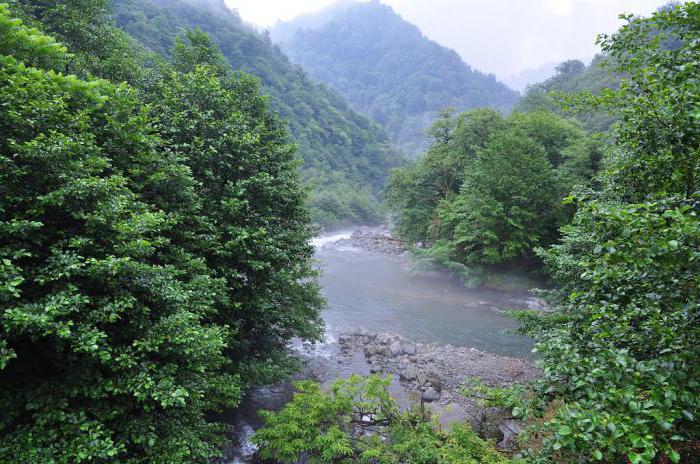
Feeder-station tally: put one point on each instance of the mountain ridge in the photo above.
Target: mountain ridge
(388, 69)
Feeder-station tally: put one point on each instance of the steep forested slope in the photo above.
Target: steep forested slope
(389, 71)
(574, 77)
(345, 156)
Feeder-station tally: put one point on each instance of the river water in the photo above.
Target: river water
(383, 293)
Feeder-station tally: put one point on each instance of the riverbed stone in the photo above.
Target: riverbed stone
(434, 374)
(408, 374)
(408, 348)
(372, 350)
(395, 348)
(430, 395)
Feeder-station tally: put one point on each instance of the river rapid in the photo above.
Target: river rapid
(381, 292)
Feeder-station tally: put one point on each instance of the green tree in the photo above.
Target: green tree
(415, 191)
(490, 189)
(506, 195)
(99, 49)
(154, 258)
(106, 349)
(253, 228)
(621, 353)
(357, 421)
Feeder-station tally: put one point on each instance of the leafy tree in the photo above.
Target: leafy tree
(505, 198)
(621, 353)
(415, 191)
(358, 421)
(253, 227)
(153, 262)
(346, 158)
(490, 188)
(99, 49)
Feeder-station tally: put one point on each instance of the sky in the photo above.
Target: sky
(503, 37)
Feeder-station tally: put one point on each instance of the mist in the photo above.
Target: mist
(502, 37)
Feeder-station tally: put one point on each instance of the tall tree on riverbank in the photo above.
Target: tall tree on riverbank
(490, 188)
(154, 258)
(621, 353)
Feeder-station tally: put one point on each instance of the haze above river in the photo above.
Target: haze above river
(382, 292)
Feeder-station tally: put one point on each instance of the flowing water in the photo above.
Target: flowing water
(383, 293)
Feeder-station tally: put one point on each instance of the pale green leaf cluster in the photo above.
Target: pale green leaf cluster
(357, 421)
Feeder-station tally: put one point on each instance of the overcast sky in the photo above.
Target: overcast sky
(502, 37)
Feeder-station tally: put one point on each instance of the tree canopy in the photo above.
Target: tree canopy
(154, 246)
(345, 156)
(490, 189)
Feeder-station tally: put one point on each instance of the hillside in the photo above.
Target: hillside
(573, 77)
(387, 69)
(346, 157)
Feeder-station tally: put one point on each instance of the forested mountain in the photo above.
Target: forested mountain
(388, 70)
(574, 77)
(346, 157)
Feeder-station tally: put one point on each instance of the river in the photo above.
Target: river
(383, 293)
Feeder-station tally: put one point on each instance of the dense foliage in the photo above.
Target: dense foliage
(154, 243)
(490, 189)
(346, 157)
(357, 421)
(621, 353)
(389, 71)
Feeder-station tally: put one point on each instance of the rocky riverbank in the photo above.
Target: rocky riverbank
(429, 374)
(377, 240)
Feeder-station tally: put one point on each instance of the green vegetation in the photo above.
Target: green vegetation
(621, 354)
(489, 190)
(389, 71)
(357, 421)
(155, 255)
(574, 77)
(345, 156)
(154, 243)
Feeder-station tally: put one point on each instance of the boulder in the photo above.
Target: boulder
(408, 348)
(409, 374)
(430, 395)
(490, 424)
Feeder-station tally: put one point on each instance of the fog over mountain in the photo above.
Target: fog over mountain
(501, 36)
(521, 80)
(387, 69)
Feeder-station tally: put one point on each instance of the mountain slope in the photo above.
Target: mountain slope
(346, 157)
(574, 77)
(387, 69)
